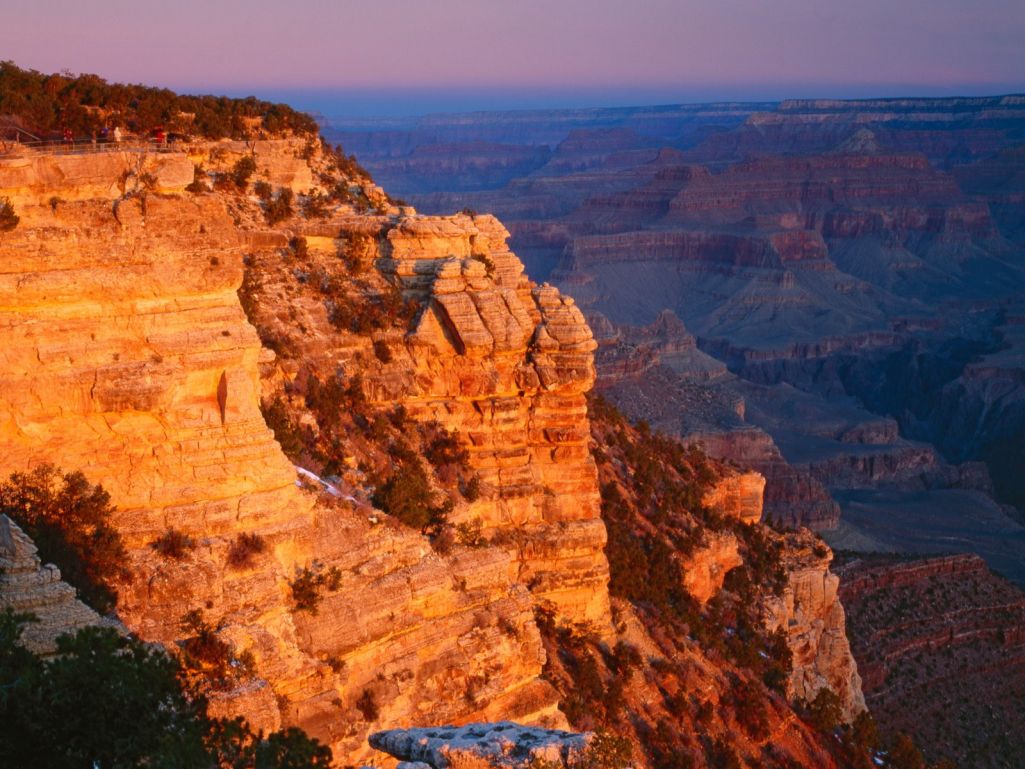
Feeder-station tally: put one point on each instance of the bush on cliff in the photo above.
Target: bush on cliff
(408, 496)
(110, 701)
(278, 208)
(69, 520)
(8, 219)
(242, 170)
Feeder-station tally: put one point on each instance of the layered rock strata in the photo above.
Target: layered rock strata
(29, 587)
(940, 642)
(130, 358)
(812, 616)
(502, 363)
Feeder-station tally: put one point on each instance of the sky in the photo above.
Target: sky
(413, 56)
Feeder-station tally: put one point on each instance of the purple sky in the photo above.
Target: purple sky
(610, 48)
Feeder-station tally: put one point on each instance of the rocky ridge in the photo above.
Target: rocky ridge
(148, 351)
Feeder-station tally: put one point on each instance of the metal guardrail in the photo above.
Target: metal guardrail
(58, 147)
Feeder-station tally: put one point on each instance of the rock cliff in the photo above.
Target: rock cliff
(371, 340)
(29, 587)
(811, 614)
(127, 334)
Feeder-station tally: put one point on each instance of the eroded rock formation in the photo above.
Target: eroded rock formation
(29, 587)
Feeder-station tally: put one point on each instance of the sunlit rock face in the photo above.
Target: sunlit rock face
(131, 359)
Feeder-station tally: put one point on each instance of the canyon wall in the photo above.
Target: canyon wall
(131, 359)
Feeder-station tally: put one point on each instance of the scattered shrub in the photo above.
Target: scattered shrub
(824, 711)
(207, 659)
(278, 208)
(471, 489)
(407, 496)
(8, 219)
(469, 534)
(445, 448)
(314, 206)
(173, 544)
(244, 550)
(263, 190)
(69, 521)
(244, 167)
(367, 705)
(105, 700)
(54, 202)
(307, 586)
(381, 351)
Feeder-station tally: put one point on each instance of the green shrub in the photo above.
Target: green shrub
(110, 701)
(469, 534)
(83, 103)
(314, 206)
(471, 488)
(69, 521)
(263, 190)
(208, 659)
(244, 167)
(278, 208)
(407, 496)
(367, 705)
(824, 711)
(307, 586)
(8, 219)
(445, 448)
(381, 351)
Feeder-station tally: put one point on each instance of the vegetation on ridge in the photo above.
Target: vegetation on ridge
(87, 103)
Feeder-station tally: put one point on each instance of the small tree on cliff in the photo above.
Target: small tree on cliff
(8, 219)
(69, 520)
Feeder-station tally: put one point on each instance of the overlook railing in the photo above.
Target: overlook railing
(88, 147)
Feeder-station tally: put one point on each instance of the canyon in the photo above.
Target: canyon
(939, 645)
(186, 352)
(843, 279)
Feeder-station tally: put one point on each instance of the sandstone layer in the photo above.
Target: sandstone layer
(29, 587)
(131, 359)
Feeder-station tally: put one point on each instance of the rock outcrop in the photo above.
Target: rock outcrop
(812, 616)
(484, 745)
(28, 587)
(125, 330)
